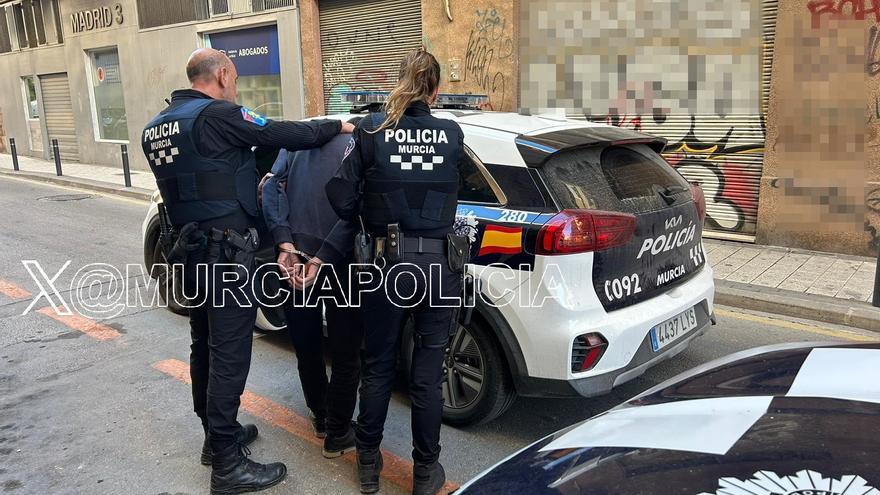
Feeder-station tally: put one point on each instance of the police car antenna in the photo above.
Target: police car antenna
(374, 101)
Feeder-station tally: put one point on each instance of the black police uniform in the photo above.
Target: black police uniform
(199, 150)
(407, 175)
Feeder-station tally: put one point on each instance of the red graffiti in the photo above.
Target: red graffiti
(634, 123)
(734, 174)
(842, 9)
(371, 76)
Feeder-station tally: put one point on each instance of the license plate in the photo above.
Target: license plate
(670, 330)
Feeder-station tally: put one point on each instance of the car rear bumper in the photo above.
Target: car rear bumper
(592, 386)
(545, 336)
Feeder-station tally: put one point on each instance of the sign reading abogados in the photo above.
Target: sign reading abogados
(99, 18)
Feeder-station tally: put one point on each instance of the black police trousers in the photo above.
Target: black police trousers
(334, 400)
(410, 283)
(221, 327)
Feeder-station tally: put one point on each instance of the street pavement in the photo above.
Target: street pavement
(103, 407)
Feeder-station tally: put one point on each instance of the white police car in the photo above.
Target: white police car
(587, 245)
(788, 419)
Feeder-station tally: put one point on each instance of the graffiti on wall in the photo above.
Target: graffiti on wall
(346, 52)
(827, 19)
(358, 35)
(712, 154)
(489, 45)
(632, 56)
(633, 63)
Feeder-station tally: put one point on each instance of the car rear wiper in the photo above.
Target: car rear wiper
(668, 192)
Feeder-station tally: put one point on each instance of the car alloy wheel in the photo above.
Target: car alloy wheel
(463, 370)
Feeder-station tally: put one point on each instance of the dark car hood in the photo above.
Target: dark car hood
(794, 420)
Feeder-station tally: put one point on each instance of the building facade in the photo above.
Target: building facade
(91, 73)
(351, 45)
(720, 80)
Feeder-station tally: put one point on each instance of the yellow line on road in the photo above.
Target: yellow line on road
(793, 325)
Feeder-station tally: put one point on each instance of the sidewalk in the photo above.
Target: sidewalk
(828, 287)
(97, 177)
(805, 284)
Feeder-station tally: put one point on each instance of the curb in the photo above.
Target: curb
(80, 183)
(788, 303)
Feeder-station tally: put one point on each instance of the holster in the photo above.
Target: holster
(363, 249)
(458, 252)
(240, 249)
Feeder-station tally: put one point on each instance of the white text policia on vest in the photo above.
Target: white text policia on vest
(161, 131)
(419, 141)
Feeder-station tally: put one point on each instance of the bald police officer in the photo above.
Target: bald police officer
(200, 151)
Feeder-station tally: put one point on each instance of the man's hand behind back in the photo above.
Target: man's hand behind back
(347, 128)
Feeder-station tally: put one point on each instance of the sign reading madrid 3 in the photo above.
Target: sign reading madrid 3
(99, 18)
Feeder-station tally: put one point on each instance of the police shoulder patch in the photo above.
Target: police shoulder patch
(253, 117)
(349, 148)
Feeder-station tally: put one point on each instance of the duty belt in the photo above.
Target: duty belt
(238, 248)
(419, 245)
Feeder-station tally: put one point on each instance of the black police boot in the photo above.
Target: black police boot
(428, 479)
(319, 425)
(245, 436)
(234, 473)
(369, 469)
(337, 445)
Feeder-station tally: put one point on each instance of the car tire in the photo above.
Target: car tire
(474, 348)
(166, 283)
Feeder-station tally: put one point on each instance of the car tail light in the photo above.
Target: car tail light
(699, 200)
(580, 231)
(586, 351)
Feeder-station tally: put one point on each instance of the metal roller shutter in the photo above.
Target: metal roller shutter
(768, 25)
(362, 43)
(724, 154)
(726, 157)
(60, 123)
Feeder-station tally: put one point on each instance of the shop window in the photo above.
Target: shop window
(29, 24)
(5, 39)
(224, 7)
(32, 112)
(254, 52)
(152, 13)
(30, 92)
(107, 95)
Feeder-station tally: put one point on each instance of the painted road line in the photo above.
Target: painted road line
(396, 470)
(13, 291)
(82, 324)
(793, 325)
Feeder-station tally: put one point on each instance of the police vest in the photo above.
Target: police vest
(196, 188)
(414, 177)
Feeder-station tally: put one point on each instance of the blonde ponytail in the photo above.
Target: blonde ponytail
(418, 81)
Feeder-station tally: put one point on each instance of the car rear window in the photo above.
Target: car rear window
(638, 173)
(614, 178)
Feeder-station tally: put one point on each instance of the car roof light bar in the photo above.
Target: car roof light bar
(463, 101)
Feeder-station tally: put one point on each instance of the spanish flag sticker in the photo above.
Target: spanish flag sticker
(501, 240)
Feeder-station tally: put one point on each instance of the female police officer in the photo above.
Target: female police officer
(400, 178)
